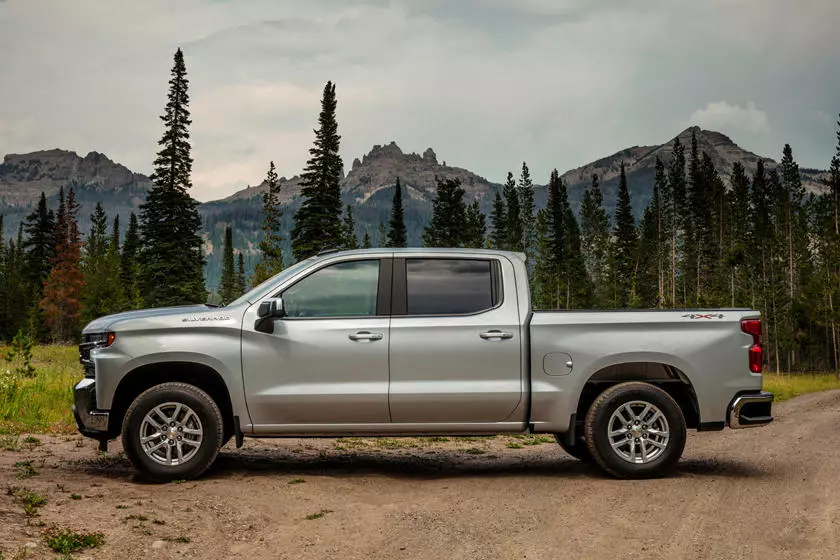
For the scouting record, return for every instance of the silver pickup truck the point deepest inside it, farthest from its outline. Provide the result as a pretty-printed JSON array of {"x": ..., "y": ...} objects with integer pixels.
[{"x": 407, "y": 342}]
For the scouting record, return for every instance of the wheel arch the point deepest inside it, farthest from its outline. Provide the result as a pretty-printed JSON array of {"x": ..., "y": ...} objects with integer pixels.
[
  {"x": 146, "y": 376},
  {"x": 661, "y": 373}
]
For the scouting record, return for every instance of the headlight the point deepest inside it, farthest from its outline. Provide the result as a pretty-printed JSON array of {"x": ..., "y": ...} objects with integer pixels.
[{"x": 100, "y": 340}]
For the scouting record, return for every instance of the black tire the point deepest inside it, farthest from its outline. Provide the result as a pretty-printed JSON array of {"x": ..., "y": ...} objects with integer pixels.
[
  {"x": 578, "y": 450},
  {"x": 212, "y": 427},
  {"x": 597, "y": 426}
]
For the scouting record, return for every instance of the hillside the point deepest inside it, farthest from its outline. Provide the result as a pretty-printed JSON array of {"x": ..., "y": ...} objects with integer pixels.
[{"x": 368, "y": 186}]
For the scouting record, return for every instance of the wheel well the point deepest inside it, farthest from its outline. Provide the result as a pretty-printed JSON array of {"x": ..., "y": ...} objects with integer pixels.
[
  {"x": 145, "y": 377},
  {"x": 668, "y": 378}
]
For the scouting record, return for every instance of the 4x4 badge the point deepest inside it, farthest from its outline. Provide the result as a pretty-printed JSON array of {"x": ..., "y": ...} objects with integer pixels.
[{"x": 704, "y": 316}]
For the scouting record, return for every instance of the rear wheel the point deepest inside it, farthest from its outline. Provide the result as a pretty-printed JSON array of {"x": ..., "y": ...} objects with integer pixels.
[
  {"x": 635, "y": 430},
  {"x": 172, "y": 431}
]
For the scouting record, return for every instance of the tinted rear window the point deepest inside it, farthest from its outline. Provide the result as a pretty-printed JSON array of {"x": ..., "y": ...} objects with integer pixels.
[{"x": 448, "y": 286}]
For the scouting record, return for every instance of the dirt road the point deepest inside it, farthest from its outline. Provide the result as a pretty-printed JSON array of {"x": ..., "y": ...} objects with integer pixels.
[{"x": 767, "y": 493}]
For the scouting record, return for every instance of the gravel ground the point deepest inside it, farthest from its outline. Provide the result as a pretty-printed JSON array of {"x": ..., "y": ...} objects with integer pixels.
[{"x": 767, "y": 493}]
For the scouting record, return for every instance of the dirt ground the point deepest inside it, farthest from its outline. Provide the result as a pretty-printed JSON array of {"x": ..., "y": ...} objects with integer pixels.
[{"x": 768, "y": 493}]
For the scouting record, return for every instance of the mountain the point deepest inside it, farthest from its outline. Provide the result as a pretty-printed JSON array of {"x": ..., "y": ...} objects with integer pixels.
[{"x": 368, "y": 186}]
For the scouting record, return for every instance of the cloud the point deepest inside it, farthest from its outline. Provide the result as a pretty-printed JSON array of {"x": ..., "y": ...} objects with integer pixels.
[{"x": 724, "y": 117}]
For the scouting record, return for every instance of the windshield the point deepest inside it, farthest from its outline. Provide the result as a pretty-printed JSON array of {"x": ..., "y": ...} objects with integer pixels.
[{"x": 261, "y": 289}]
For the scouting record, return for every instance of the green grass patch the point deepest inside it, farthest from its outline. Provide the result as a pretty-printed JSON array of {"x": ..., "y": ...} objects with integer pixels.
[
  {"x": 787, "y": 386},
  {"x": 66, "y": 541},
  {"x": 318, "y": 515},
  {"x": 29, "y": 499},
  {"x": 475, "y": 451},
  {"x": 75, "y": 496},
  {"x": 25, "y": 469},
  {"x": 41, "y": 403},
  {"x": 297, "y": 481},
  {"x": 514, "y": 445}
]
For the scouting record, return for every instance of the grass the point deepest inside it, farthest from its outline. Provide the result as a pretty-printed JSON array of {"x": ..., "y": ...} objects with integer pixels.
[
  {"x": 318, "y": 515},
  {"x": 296, "y": 481},
  {"x": 41, "y": 404},
  {"x": 25, "y": 469},
  {"x": 787, "y": 386},
  {"x": 66, "y": 541},
  {"x": 29, "y": 499}
]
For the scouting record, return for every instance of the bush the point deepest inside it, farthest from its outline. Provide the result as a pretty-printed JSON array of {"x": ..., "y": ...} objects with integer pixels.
[{"x": 67, "y": 541}]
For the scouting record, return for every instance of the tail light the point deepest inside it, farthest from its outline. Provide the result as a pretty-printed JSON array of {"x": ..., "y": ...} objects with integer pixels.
[{"x": 756, "y": 359}]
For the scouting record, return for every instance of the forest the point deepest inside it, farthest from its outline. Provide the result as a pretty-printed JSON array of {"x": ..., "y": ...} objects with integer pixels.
[{"x": 709, "y": 238}]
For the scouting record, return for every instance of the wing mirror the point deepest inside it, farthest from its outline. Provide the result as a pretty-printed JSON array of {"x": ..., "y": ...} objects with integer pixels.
[{"x": 269, "y": 310}]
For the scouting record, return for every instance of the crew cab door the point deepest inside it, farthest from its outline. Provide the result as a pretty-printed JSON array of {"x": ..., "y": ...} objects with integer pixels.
[
  {"x": 327, "y": 360},
  {"x": 455, "y": 341}
]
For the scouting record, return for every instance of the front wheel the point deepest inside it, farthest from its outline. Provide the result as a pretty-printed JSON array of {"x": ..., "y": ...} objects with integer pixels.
[
  {"x": 578, "y": 449},
  {"x": 635, "y": 430},
  {"x": 172, "y": 431}
]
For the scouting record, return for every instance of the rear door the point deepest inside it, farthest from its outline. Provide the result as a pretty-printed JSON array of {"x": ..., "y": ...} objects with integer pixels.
[{"x": 455, "y": 341}]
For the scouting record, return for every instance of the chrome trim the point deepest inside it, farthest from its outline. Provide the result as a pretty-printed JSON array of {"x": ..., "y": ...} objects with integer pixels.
[
  {"x": 738, "y": 404},
  {"x": 90, "y": 422}
]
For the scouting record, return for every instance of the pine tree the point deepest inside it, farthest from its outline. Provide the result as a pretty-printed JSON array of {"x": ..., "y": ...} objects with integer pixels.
[
  {"x": 103, "y": 292},
  {"x": 448, "y": 226},
  {"x": 271, "y": 261},
  {"x": 526, "y": 209},
  {"x": 318, "y": 220},
  {"x": 648, "y": 269},
  {"x": 382, "y": 235},
  {"x": 14, "y": 301},
  {"x": 228, "y": 286},
  {"x": 738, "y": 248},
  {"x": 130, "y": 265},
  {"x": 674, "y": 220},
  {"x": 39, "y": 247},
  {"x": 595, "y": 241},
  {"x": 241, "y": 275},
  {"x": 514, "y": 218},
  {"x": 476, "y": 227},
  {"x": 63, "y": 288},
  {"x": 366, "y": 244},
  {"x": 169, "y": 220},
  {"x": 349, "y": 227},
  {"x": 397, "y": 233},
  {"x": 498, "y": 223},
  {"x": 624, "y": 251}
]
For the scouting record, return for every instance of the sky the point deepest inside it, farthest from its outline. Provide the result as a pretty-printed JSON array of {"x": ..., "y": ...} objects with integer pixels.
[{"x": 486, "y": 83}]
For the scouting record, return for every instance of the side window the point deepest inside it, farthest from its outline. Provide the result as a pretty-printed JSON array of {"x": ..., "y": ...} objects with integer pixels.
[
  {"x": 449, "y": 286},
  {"x": 347, "y": 289}
]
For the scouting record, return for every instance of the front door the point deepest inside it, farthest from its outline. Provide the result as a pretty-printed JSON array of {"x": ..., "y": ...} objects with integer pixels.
[
  {"x": 455, "y": 342},
  {"x": 327, "y": 360}
]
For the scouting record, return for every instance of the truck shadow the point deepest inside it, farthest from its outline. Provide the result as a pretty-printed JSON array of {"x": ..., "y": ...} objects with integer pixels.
[{"x": 445, "y": 464}]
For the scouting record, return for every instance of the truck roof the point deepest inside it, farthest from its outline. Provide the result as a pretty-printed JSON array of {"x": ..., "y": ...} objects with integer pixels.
[{"x": 423, "y": 250}]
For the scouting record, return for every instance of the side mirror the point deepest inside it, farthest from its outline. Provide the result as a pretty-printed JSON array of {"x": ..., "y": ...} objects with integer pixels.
[{"x": 269, "y": 310}]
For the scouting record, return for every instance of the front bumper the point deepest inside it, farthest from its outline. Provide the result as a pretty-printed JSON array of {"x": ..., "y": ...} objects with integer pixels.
[
  {"x": 751, "y": 410},
  {"x": 91, "y": 422}
]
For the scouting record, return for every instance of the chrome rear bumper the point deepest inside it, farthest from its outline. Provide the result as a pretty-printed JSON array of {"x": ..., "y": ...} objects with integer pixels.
[{"x": 751, "y": 410}]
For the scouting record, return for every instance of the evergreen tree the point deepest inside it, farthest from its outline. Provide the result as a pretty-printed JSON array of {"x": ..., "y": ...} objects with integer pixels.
[
  {"x": 476, "y": 227},
  {"x": 448, "y": 226},
  {"x": 39, "y": 247},
  {"x": 103, "y": 291},
  {"x": 526, "y": 209},
  {"x": 349, "y": 227},
  {"x": 739, "y": 235},
  {"x": 674, "y": 219},
  {"x": 13, "y": 304},
  {"x": 366, "y": 244},
  {"x": 397, "y": 233},
  {"x": 498, "y": 223},
  {"x": 514, "y": 218},
  {"x": 271, "y": 261},
  {"x": 648, "y": 268},
  {"x": 169, "y": 220},
  {"x": 130, "y": 265},
  {"x": 63, "y": 288},
  {"x": 228, "y": 287},
  {"x": 624, "y": 251},
  {"x": 318, "y": 220},
  {"x": 241, "y": 275},
  {"x": 595, "y": 241},
  {"x": 382, "y": 235}
]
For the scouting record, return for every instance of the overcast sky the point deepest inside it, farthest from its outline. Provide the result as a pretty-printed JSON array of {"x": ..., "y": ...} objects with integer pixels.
[{"x": 486, "y": 83}]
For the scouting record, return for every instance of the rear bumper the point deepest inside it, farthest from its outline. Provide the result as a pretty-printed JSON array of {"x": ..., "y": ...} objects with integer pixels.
[
  {"x": 751, "y": 410},
  {"x": 90, "y": 422}
]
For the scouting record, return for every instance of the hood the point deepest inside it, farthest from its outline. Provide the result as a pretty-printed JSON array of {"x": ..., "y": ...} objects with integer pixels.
[{"x": 106, "y": 322}]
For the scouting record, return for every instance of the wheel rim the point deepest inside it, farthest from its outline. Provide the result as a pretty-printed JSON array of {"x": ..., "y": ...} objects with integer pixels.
[
  {"x": 638, "y": 432},
  {"x": 171, "y": 434}
]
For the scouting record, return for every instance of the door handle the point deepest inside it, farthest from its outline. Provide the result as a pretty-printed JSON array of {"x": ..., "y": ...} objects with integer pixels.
[
  {"x": 366, "y": 335},
  {"x": 490, "y": 335}
]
